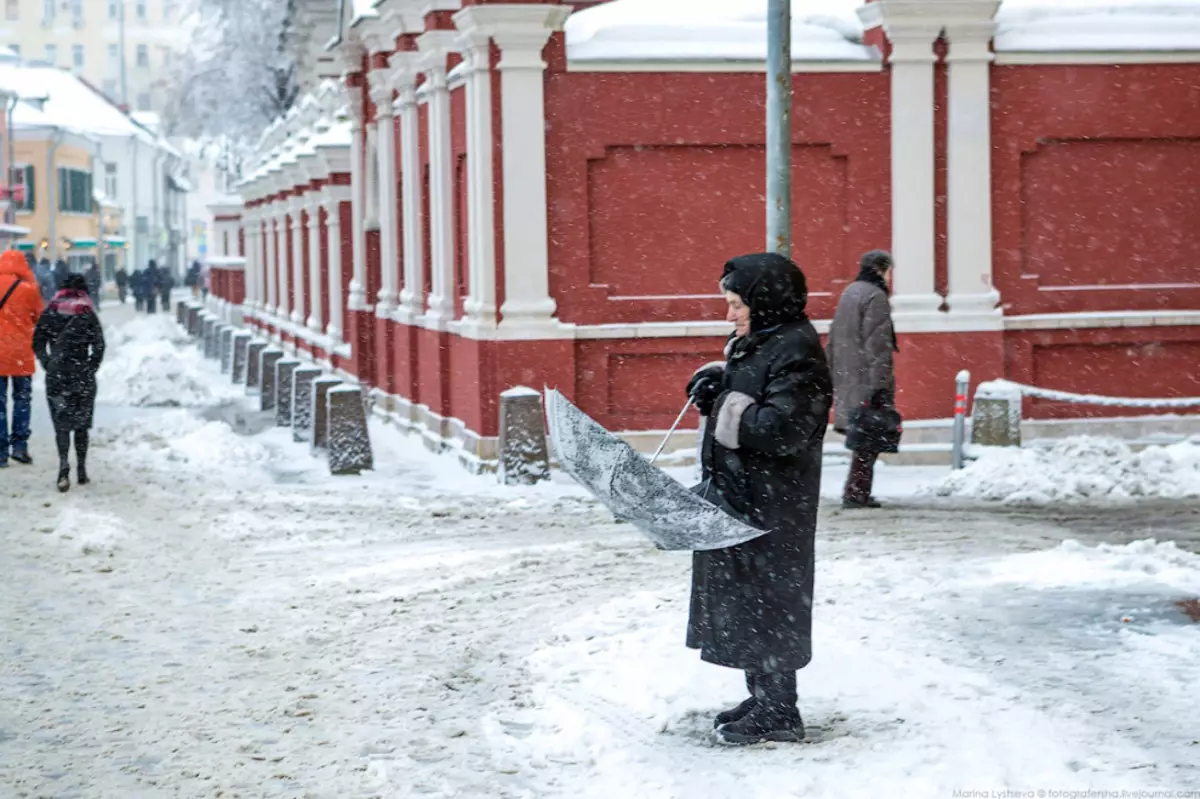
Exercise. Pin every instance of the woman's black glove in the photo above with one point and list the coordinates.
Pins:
(705, 386)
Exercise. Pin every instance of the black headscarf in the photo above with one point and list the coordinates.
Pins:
(773, 287)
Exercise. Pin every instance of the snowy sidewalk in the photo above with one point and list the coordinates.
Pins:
(215, 616)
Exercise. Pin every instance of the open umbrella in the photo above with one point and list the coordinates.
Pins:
(635, 490)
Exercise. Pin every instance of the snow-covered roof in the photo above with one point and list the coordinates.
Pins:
(830, 30)
(338, 135)
(662, 30)
(1090, 25)
(73, 105)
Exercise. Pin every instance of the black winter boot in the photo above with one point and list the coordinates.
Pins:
(774, 716)
(81, 450)
(64, 479)
(739, 712)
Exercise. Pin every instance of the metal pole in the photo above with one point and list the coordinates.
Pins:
(779, 127)
(961, 385)
(671, 432)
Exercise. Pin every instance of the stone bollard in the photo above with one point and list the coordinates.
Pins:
(212, 344)
(320, 411)
(284, 370)
(195, 322)
(302, 402)
(266, 377)
(225, 350)
(206, 322)
(996, 415)
(181, 309)
(237, 365)
(524, 456)
(254, 351)
(349, 441)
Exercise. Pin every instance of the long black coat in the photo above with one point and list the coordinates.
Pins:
(69, 343)
(751, 605)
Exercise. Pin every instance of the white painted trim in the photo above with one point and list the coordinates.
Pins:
(412, 295)
(333, 199)
(272, 264)
(798, 67)
(316, 311)
(435, 46)
(1098, 57)
(385, 152)
(1068, 321)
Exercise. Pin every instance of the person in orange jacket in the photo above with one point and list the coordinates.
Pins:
(20, 307)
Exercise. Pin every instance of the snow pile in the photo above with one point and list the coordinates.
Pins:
(1077, 469)
(1091, 25)
(151, 363)
(177, 441)
(88, 533)
(1139, 564)
(632, 30)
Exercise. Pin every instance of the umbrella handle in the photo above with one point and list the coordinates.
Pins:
(671, 432)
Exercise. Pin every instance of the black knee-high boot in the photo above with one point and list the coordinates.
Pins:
(739, 712)
(774, 716)
(81, 449)
(62, 439)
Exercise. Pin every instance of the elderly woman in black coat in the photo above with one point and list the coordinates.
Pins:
(69, 343)
(767, 410)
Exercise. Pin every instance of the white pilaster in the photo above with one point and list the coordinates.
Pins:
(912, 28)
(412, 297)
(250, 226)
(272, 264)
(434, 47)
(333, 198)
(284, 309)
(521, 33)
(480, 305)
(316, 311)
(969, 186)
(357, 301)
(385, 151)
(297, 206)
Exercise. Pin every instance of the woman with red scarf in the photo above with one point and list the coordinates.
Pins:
(69, 344)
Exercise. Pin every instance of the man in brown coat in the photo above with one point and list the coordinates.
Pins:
(861, 343)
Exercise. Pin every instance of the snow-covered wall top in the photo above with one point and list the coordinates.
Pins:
(1090, 25)
(717, 30)
(830, 30)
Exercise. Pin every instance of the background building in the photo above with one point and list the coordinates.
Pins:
(85, 36)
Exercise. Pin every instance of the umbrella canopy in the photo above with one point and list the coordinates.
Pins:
(635, 490)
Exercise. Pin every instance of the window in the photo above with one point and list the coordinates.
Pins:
(143, 101)
(77, 12)
(77, 56)
(23, 176)
(114, 59)
(48, 9)
(114, 10)
(52, 54)
(74, 191)
(110, 88)
(143, 55)
(168, 10)
(167, 56)
(141, 9)
(110, 180)
(12, 10)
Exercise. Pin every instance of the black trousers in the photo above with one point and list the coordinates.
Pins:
(861, 477)
(776, 688)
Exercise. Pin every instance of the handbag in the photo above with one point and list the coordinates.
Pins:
(874, 429)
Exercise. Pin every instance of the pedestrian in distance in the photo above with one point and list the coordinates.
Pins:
(45, 278)
(166, 282)
(861, 344)
(153, 278)
(767, 408)
(94, 281)
(137, 284)
(122, 279)
(69, 343)
(193, 279)
(61, 272)
(20, 306)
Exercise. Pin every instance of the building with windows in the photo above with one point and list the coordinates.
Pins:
(84, 36)
(80, 158)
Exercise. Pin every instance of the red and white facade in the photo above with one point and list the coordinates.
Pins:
(470, 208)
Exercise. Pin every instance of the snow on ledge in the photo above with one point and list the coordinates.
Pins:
(1097, 25)
(709, 30)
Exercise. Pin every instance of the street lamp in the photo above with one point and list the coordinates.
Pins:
(779, 127)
